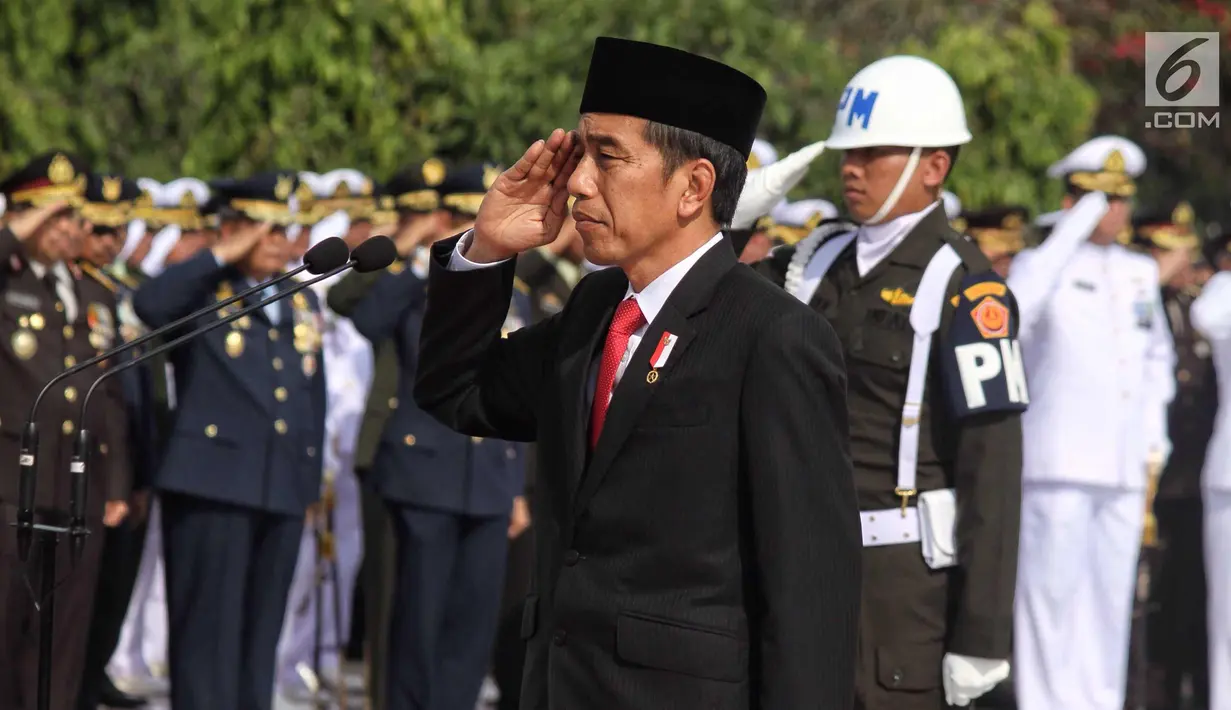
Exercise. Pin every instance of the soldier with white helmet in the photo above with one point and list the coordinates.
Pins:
(1096, 343)
(935, 392)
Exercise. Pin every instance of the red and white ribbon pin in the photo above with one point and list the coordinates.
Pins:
(663, 351)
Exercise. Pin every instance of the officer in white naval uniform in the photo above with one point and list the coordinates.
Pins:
(1099, 358)
(1211, 316)
(339, 199)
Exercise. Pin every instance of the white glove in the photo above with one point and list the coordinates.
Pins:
(767, 186)
(967, 678)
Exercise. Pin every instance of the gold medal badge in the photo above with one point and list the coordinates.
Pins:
(223, 293)
(307, 330)
(25, 344)
(102, 326)
(37, 321)
(235, 344)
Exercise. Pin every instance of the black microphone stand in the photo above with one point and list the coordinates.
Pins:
(29, 437)
(83, 448)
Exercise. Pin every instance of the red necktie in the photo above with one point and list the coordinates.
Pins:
(627, 319)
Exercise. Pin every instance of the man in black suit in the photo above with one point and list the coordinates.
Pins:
(697, 535)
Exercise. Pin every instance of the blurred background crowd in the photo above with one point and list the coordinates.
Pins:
(123, 127)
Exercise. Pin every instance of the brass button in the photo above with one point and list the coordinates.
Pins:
(67, 427)
(476, 439)
(70, 394)
(277, 363)
(23, 322)
(102, 449)
(280, 394)
(211, 431)
(311, 451)
(69, 361)
(68, 332)
(393, 402)
(410, 440)
(280, 426)
(37, 321)
(273, 334)
(59, 307)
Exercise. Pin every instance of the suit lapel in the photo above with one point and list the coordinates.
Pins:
(635, 389)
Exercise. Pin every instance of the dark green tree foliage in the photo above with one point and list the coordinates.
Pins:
(164, 88)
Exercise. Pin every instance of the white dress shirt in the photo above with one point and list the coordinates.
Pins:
(873, 242)
(64, 286)
(651, 299)
(1211, 316)
(1099, 359)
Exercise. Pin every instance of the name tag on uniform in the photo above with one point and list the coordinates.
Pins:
(25, 301)
(1144, 311)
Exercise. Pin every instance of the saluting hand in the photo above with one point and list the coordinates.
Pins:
(25, 223)
(528, 202)
(235, 246)
(114, 512)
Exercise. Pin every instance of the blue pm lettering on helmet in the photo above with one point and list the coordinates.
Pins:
(860, 105)
(983, 369)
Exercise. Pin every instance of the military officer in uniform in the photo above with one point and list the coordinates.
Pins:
(244, 460)
(999, 232)
(410, 194)
(1211, 317)
(935, 390)
(1176, 629)
(109, 203)
(52, 318)
(332, 546)
(450, 497)
(1101, 364)
(181, 227)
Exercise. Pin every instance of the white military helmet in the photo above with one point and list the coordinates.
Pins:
(902, 101)
(899, 101)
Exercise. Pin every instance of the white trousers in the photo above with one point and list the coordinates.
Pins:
(1076, 576)
(299, 627)
(1218, 583)
(143, 638)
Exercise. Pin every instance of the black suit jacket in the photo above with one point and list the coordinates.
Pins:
(707, 554)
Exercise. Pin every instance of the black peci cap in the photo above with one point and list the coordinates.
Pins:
(675, 88)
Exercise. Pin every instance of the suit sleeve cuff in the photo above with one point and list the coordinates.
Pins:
(457, 262)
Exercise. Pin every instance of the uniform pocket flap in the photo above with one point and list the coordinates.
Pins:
(529, 616)
(909, 666)
(681, 648)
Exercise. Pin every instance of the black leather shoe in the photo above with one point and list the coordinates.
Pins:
(113, 697)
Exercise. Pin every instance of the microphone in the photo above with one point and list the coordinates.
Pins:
(323, 257)
(374, 254)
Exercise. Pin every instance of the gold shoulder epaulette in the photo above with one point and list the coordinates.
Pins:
(93, 272)
(521, 285)
(125, 279)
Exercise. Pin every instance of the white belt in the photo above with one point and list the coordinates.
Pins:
(889, 526)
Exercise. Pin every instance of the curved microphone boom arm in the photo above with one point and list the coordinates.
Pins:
(137, 342)
(172, 344)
